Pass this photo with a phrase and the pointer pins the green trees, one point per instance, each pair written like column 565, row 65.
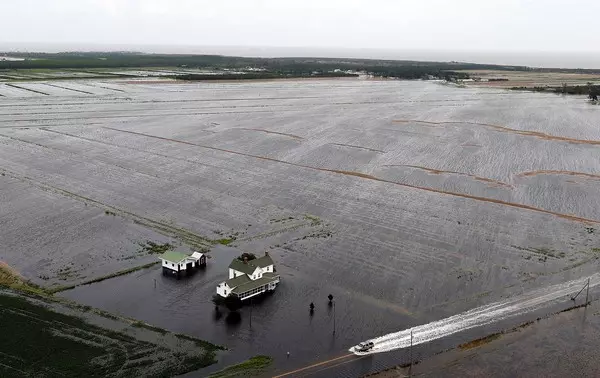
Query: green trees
column 594, row 91
column 267, row 67
column 247, row 255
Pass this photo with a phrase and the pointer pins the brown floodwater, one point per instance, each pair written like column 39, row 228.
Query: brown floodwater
column 404, row 223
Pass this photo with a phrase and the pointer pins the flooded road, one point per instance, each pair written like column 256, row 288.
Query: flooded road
column 409, row 202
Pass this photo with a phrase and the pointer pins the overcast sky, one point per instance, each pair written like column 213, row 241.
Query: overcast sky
column 467, row 25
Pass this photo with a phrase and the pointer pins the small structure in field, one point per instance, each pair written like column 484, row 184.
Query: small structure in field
column 175, row 263
column 249, row 277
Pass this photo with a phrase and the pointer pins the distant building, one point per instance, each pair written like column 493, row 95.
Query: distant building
column 248, row 278
column 175, row 263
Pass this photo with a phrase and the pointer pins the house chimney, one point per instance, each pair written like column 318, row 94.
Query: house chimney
column 245, row 259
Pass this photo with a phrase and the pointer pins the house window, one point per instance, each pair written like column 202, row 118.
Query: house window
column 172, row 264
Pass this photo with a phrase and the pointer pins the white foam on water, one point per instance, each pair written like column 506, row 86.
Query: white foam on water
column 479, row 316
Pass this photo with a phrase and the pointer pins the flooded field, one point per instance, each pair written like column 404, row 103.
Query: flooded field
column 408, row 201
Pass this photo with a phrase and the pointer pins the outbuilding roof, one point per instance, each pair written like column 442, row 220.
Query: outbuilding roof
column 197, row 255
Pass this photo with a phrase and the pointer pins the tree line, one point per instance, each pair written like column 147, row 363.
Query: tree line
column 278, row 67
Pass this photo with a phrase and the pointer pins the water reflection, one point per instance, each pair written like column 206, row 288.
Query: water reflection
column 233, row 319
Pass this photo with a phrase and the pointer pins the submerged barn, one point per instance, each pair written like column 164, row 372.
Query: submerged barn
column 248, row 278
column 176, row 263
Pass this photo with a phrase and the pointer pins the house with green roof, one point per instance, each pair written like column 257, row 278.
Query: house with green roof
column 177, row 263
column 248, row 278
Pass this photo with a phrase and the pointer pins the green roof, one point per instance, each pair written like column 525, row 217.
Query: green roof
column 263, row 261
column 251, row 265
column 252, row 285
column 238, row 265
column 237, row 281
column 173, row 256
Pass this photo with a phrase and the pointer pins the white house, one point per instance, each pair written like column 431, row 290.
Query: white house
column 175, row 263
column 248, row 278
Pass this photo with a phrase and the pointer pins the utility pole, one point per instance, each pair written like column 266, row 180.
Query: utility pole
column 579, row 292
column 411, row 359
column 334, row 317
column 587, row 294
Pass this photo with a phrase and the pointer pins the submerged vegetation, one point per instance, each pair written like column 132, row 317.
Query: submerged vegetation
column 153, row 248
column 99, row 279
column 479, row 342
column 39, row 341
column 250, row 368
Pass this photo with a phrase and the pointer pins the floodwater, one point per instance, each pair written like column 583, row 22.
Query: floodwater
column 408, row 201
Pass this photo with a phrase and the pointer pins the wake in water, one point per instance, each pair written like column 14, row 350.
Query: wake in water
column 478, row 317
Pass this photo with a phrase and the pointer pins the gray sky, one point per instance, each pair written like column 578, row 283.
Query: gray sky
column 465, row 25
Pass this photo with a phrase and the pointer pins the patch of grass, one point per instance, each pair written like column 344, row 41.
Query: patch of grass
column 321, row 234
column 225, row 241
column 284, row 219
column 543, row 251
column 140, row 324
column 252, row 367
column 314, row 220
column 479, row 342
column 153, row 248
column 201, row 343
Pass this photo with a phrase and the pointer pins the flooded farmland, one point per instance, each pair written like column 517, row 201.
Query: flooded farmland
column 408, row 201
